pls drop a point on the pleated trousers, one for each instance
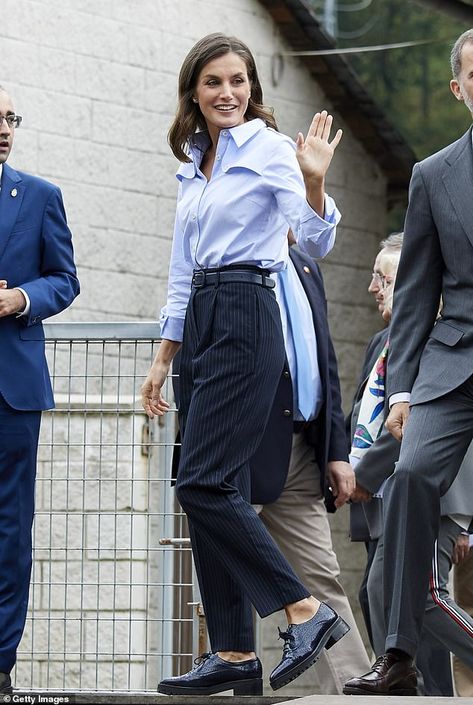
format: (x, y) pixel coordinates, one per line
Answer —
(232, 359)
(19, 431)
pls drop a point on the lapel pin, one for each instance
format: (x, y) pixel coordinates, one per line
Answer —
(306, 269)
(14, 192)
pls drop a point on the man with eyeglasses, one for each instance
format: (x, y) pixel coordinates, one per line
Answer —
(37, 280)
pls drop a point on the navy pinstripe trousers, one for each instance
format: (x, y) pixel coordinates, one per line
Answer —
(232, 359)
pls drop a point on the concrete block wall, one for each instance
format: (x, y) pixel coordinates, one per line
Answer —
(96, 84)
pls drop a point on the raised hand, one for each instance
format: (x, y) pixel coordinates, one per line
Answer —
(314, 152)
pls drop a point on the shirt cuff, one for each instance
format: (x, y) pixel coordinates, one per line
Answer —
(26, 310)
(399, 397)
(353, 460)
(171, 328)
(316, 235)
(331, 213)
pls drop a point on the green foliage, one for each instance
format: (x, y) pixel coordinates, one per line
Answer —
(410, 84)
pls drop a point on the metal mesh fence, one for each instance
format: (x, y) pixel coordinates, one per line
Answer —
(110, 607)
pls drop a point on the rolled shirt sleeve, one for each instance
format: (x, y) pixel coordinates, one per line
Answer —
(180, 278)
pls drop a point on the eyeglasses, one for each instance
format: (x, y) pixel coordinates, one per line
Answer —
(11, 120)
(381, 280)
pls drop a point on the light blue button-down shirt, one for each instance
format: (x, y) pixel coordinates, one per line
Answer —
(242, 214)
(305, 321)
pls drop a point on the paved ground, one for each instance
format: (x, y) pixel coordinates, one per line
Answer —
(136, 698)
(358, 700)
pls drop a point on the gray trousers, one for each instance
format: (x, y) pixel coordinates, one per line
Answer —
(443, 619)
(436, 438)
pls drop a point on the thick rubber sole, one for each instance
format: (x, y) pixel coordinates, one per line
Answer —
(329, 639)
(351, 690)
(251, 686)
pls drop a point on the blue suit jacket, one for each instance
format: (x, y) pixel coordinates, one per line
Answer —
(326, 434)
(35, 254)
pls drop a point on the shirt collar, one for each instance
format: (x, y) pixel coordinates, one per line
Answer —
(240, 134)
(245, 132)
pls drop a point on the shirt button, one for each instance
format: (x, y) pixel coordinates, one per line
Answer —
(224, 133)
(287, 412)
(194, 217)
(218, 157)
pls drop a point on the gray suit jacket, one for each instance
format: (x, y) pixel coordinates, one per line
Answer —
(436, 260)
(379, 462)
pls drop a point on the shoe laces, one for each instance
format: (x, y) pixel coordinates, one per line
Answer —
(200, 660)
(380, 662)
(288, 641)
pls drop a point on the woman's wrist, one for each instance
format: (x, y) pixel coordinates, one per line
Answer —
(166, 352)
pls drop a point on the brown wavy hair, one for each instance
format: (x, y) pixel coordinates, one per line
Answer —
(189, 119)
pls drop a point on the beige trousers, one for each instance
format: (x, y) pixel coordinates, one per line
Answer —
(463, 587)
(299, 524)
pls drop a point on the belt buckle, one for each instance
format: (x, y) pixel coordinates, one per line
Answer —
(198, 278)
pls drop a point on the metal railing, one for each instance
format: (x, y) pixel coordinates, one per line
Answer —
(111, 608)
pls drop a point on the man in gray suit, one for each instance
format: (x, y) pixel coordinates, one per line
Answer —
(430, 382)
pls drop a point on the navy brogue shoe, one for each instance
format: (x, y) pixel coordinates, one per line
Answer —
(214, 675)
(304, 642)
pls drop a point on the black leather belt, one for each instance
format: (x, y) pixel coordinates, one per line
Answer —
(205, 277)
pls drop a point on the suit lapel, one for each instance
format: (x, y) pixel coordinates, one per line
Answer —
(458, 180)
(11, 196)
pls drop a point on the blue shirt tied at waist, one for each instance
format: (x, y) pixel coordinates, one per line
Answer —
(301, 344)
(242, 214)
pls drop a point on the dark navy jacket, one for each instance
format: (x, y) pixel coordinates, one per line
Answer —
(327, 433)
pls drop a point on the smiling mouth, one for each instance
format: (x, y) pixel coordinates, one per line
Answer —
(225, 108)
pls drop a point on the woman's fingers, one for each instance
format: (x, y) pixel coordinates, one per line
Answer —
(336, 139)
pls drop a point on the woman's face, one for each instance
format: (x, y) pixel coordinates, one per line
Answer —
(223, 91)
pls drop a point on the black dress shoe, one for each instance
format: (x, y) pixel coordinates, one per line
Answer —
(5, 683)
(304, 642)
(388, 676)
(214, 675)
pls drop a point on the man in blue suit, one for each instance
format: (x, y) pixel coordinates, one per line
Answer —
(37, 280)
